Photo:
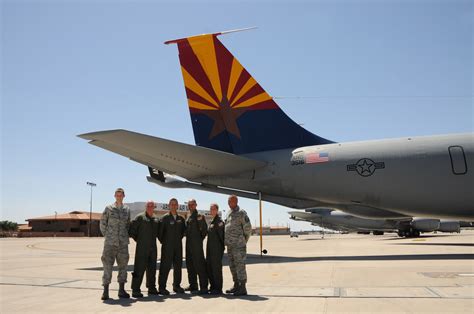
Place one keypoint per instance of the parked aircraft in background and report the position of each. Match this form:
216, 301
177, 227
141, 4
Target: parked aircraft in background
407, 227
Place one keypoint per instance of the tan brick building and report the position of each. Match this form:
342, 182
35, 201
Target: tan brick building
75, 223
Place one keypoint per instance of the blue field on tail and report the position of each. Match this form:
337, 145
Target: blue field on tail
260, 130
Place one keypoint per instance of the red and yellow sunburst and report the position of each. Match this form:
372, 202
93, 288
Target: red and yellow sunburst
217, 85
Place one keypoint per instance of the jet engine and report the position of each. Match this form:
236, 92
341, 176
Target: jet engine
449, 226
425, 224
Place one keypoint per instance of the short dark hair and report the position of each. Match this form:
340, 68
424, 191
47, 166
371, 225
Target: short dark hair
173, 199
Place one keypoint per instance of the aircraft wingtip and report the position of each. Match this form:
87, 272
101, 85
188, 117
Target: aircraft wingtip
93, 135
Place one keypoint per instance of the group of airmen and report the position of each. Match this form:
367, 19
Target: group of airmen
117, 227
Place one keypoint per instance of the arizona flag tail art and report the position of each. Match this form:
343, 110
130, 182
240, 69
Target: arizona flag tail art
229, 109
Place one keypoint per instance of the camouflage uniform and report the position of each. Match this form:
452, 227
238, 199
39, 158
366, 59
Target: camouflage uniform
237, 233
114, 226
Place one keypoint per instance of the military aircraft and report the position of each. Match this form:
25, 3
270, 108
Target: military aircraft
407, 227
246, 145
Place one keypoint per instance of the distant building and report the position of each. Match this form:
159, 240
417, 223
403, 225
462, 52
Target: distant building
268, 230
75, 223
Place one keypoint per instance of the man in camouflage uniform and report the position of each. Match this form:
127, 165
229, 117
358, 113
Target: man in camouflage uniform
196, 231
170, 233
114, 226
144, 230
215, 250
237, 234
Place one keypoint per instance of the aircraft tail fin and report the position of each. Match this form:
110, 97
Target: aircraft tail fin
229, 109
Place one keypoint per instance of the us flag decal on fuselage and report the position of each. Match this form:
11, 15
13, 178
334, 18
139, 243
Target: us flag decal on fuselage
314, 157
301, 158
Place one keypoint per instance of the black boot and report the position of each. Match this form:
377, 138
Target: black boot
233, 289
241, 289
122, 294
137, 294
105, 294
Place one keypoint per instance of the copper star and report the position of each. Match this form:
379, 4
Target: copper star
225, 118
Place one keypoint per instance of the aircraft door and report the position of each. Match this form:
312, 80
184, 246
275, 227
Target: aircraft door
458, 160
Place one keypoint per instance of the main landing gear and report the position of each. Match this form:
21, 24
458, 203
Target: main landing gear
409, 233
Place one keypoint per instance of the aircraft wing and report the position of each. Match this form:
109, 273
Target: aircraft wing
184, 160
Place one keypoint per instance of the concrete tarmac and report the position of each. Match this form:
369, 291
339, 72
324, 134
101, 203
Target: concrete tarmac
340, 273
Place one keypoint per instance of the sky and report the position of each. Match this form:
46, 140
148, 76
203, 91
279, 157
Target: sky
346, 70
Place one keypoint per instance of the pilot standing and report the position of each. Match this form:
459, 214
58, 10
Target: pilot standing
114, 225
144, 230
196, 231
237, 234
170, 233
215, 250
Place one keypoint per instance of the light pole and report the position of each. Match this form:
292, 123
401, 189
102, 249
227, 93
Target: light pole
91, 184
55, 222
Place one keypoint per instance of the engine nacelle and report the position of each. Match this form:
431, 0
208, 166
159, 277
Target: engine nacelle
449, 226
425, 224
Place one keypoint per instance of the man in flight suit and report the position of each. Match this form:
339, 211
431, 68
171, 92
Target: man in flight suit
170, 233
114, 225
215, 250
144, 230
196, 231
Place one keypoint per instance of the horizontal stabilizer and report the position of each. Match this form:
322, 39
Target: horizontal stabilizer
184, 160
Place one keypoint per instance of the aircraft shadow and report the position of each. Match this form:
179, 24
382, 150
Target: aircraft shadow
275, 259
437, 244
424, 236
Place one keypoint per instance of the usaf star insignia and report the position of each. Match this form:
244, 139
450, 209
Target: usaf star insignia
365, 167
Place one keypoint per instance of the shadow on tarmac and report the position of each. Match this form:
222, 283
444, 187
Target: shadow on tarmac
121, 302
437, 244
275, 259
421, 237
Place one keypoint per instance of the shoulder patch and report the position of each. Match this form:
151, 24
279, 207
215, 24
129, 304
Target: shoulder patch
247, 219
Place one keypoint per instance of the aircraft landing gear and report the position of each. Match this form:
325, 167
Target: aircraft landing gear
411, 233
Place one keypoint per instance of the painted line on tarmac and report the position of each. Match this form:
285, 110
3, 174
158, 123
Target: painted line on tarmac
62, 282
434, 293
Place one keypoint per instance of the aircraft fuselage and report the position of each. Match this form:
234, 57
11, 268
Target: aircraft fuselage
428, 176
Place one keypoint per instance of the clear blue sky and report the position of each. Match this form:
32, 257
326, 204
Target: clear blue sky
369, 70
